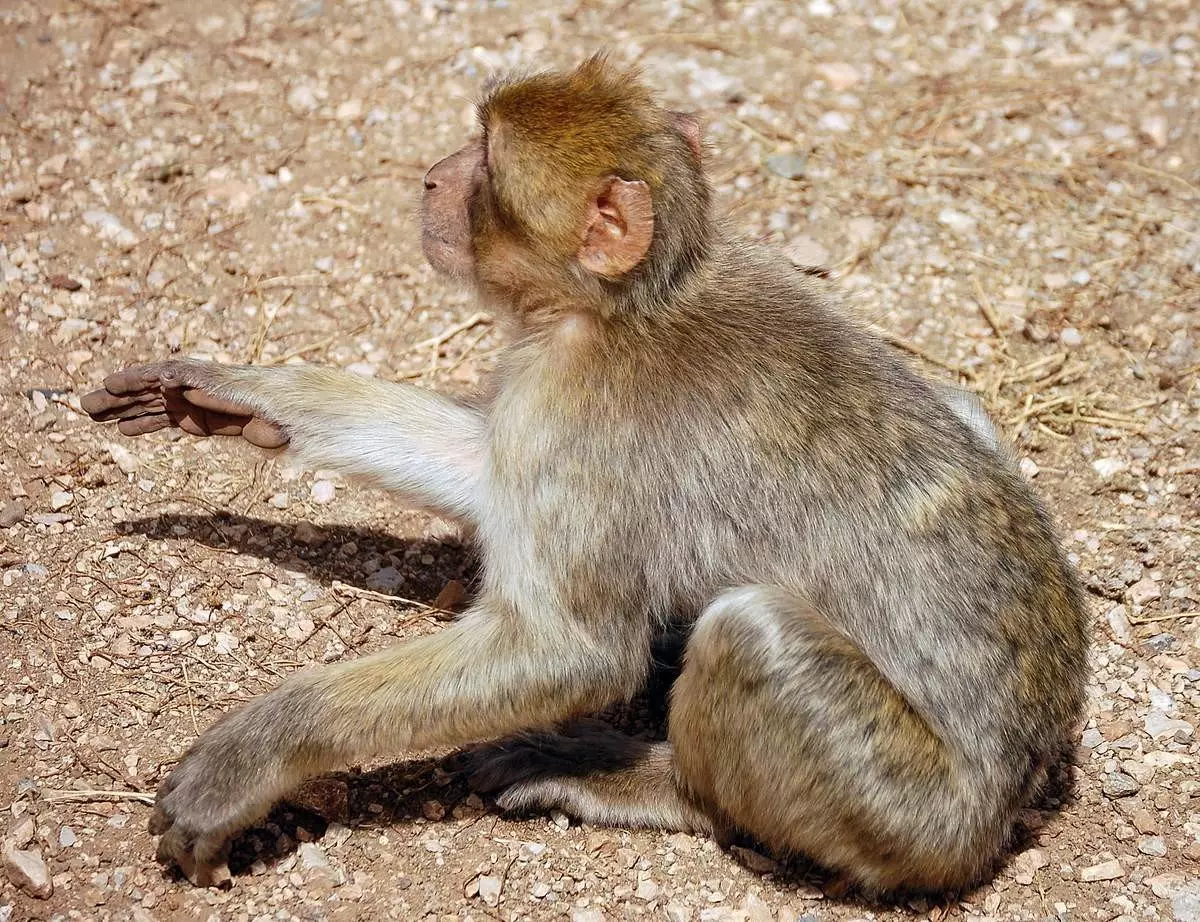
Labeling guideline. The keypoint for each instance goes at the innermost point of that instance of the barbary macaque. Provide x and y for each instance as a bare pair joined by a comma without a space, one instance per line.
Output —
885,645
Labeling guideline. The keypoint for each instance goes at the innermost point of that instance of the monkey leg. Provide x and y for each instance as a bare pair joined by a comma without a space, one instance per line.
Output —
491,674
591,771
397,436
785,729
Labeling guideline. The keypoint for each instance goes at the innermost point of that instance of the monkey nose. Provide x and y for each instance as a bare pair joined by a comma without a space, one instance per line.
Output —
430,182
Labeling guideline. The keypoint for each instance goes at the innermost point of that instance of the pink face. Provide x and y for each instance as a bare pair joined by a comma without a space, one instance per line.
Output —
445,210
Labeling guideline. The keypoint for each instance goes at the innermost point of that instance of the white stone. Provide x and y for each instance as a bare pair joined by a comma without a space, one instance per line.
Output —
1105,870
123,458
301,98
956,220
834,121
310,855
489,890
1159,725
647,890
1108,468
60,499
153,72
1155,128
109,227
1144,591
1118,621
323,492
349,110
839,75
756,910
27,870
1185,904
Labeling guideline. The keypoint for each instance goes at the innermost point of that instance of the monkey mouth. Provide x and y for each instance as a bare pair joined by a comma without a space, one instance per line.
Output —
445,255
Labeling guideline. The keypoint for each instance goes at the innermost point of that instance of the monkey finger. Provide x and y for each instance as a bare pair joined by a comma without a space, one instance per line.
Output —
141,425
131,410
200,422
265,434
101,404
196,420
200,398
135,379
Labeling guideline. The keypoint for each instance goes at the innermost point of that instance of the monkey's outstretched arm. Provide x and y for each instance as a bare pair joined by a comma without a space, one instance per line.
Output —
400,437
490,674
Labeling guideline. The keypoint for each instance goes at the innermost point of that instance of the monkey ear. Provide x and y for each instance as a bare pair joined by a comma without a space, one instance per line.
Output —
620,226
691,129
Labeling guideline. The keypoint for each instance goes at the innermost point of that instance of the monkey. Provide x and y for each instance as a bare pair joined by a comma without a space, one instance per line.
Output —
884,645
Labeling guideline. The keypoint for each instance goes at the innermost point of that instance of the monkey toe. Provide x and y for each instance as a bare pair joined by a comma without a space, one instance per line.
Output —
202,859
534,794
497,766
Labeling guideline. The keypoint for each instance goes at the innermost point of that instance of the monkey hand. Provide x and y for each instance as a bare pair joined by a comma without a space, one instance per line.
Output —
146,398
227,781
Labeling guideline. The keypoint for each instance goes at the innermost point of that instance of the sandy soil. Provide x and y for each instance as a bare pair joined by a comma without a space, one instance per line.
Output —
1010,190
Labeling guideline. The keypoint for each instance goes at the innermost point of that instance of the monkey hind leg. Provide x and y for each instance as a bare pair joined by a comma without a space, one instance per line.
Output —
592,772
784,728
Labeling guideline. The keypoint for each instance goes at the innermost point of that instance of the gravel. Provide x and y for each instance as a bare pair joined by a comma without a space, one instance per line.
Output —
1010,191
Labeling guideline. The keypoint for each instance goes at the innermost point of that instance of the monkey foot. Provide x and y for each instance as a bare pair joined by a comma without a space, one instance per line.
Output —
591,771
147,398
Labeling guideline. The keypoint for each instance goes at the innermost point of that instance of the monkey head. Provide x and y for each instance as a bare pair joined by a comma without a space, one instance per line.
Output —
581,190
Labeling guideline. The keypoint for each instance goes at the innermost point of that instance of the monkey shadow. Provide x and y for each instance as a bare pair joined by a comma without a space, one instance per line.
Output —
435,789
434,792
327,554
423,791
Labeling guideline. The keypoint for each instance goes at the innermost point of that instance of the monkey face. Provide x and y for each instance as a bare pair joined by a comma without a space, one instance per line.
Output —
450,185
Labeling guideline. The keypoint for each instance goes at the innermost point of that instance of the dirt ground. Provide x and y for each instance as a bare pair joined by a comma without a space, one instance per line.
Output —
1010,190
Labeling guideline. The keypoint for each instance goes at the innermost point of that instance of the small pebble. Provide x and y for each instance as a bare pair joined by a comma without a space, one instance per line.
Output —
1144,591
1105,870
310,855
489,890
1154,846
1118,784
1118,622
1108,468
839,75
323,492
789,165
27,870
12,513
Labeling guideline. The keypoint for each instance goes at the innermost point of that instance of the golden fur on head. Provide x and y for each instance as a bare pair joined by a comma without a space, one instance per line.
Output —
551,135
552,143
